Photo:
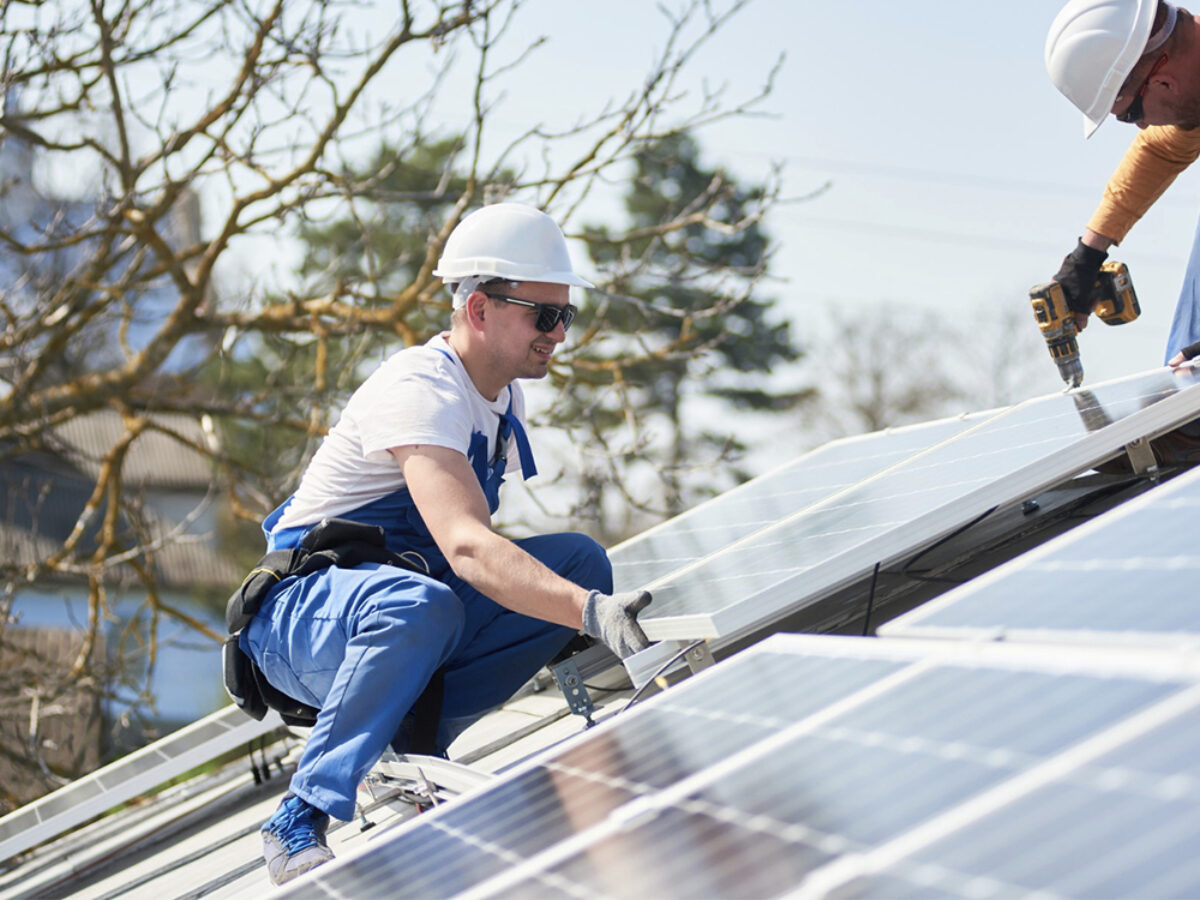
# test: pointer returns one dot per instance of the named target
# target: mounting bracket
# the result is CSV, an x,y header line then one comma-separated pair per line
x,y
1141,458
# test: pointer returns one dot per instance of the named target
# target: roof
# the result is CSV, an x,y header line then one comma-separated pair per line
x,y
43,494
952,755
159,458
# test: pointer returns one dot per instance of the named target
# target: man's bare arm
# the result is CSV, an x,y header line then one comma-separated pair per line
x,y
452,504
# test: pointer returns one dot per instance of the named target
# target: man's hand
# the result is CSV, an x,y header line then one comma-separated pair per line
x,y
1191,351
612,618
1078,274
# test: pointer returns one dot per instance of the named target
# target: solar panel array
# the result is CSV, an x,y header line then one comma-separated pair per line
x,y
1000,459
760,503
1130,576
836,766
129,777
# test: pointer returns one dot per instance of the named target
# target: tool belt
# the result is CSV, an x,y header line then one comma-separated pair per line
x,y
332,542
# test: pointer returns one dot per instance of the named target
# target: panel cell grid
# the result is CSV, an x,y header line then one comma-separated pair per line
x,y
1128,576
1124,825
769,498
868,777
690,730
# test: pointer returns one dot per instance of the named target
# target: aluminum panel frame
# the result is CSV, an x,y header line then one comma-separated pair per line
x,y
1180,404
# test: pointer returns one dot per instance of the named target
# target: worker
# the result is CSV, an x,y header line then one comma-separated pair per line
x,y
1138,60
421,449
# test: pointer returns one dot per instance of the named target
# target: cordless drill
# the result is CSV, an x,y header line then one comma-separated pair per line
x,y
1117,305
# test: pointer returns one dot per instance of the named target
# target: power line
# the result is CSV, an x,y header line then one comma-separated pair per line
x,y
941,176
990,241
826,164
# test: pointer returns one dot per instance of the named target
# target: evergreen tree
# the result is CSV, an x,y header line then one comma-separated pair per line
x,y
394,202
683,332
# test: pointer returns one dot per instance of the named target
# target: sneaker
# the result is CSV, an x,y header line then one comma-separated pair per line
x,y
294,839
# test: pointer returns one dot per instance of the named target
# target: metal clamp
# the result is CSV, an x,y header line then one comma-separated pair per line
x,y
570,682
699,657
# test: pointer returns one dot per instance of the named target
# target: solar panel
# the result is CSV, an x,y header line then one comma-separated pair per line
x,y
1027,448
129,777
815,761
775,495
1124,825
1130,575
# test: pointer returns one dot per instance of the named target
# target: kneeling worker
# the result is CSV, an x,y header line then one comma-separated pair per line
x,y
420,450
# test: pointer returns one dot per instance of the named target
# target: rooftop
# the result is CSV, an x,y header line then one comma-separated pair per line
x,y
996,692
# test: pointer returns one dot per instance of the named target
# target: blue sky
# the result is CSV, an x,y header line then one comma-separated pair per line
x,y
960,177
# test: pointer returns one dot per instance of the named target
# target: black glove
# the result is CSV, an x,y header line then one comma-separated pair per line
x,y
1080,269
1191,351
613,619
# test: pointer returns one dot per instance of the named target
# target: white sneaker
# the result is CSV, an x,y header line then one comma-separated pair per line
x,y
294,839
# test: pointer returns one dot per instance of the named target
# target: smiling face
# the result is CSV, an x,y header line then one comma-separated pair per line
x,y
521,345
502,340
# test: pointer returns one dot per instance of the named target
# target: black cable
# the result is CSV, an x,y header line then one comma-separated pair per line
x,y
266,763
870,602
921,576
258,778
1075,510
637,695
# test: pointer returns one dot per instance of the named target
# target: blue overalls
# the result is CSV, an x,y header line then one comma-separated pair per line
x,y
360,644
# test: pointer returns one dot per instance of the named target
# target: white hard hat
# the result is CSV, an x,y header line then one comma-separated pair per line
x,y
1092,47
510,241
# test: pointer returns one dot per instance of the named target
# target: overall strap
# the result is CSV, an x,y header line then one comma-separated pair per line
x,y
510,424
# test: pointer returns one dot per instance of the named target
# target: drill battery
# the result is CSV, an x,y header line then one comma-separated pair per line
x,y
1116,304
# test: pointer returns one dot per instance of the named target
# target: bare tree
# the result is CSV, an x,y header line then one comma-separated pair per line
x,y
122,120
878,367
881,365
1004,359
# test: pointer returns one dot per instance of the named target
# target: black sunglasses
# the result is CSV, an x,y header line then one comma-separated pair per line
x,y
548,314
1135,111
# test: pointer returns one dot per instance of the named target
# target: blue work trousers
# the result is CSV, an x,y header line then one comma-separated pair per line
x,y
360,645
1185,324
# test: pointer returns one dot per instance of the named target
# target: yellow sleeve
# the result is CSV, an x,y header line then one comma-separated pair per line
x,y
1155,157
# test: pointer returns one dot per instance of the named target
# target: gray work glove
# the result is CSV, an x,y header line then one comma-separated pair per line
x,y
612,618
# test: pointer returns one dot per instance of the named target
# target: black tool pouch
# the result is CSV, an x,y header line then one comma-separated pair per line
x,y
240,683
330,533
331,542
249,596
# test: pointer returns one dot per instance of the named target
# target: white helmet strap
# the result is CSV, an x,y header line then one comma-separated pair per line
x,y
1160,37
466,288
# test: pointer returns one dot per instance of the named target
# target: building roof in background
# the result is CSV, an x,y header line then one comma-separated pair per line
x,y
164,474
155,459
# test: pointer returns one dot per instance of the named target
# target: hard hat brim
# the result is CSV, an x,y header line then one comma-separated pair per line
x,y
1091,48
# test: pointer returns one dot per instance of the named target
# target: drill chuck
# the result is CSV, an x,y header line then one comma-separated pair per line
x,y
1065,353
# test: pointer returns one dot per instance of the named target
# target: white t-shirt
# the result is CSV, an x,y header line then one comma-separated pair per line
x,y
417,396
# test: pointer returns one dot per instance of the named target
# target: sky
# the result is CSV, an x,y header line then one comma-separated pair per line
x,y
958,176
955,175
